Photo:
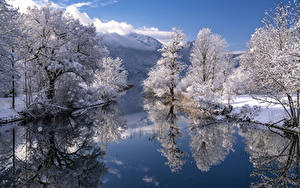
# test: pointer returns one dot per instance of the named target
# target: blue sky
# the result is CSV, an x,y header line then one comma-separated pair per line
x,y
235,20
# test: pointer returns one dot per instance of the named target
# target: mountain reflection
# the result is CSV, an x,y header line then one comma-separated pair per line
x,y
165,121
275,157
63,151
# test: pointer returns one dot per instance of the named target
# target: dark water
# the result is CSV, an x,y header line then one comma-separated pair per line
x,y
161,146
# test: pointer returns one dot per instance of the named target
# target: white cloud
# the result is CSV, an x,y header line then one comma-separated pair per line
x,y
112,26
162,36
109,2
74,11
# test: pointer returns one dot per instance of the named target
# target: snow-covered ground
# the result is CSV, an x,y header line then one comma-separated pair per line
x,y
6,111
268,113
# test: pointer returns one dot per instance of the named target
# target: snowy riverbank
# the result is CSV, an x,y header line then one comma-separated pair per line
x,y
266,113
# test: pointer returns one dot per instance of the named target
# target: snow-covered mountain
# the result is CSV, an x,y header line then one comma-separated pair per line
x,y
133,40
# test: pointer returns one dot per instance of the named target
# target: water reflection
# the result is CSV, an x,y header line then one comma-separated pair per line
x,y
68,151
105,123
164,117
6,169
275,157
63,151
210,142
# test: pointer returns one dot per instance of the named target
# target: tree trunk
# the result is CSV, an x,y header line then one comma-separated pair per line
x,y
14,148
50,91
172,93
293,112
214,67
171,115
204,68
13,85
13,92
297,159
298,106
26,86
30,90
51,152
173,85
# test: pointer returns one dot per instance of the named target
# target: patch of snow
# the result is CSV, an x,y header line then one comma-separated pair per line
x,y
220,117
6,111
268,113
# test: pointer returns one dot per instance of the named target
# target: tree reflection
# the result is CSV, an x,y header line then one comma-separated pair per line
x,y
6,154
210,142
63,151
167,131
106,124
275,157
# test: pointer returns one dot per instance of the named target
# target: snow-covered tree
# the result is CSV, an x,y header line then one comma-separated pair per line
x,y
273,60
207,55
9,32
210,67
236,83
111,79
58,45
164,77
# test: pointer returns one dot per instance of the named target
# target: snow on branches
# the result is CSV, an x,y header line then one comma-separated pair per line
x,y
210,67
111,79
164,77
58,44
9,34
64,62
273,59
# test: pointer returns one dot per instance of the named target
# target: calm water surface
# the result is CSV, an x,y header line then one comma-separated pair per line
x,y
160,146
